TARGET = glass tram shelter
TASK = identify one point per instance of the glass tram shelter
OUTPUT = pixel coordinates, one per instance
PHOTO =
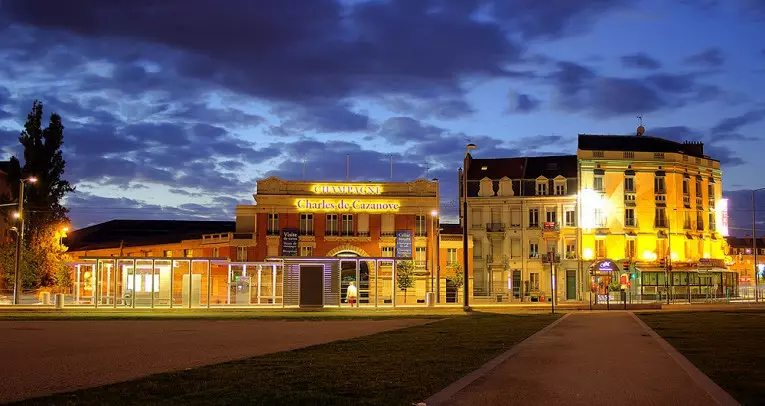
(163, 282)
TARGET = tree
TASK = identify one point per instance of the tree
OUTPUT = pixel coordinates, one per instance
(457, 279)
(405, 276)
(44, 214)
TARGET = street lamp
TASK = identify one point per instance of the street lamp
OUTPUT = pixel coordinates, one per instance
(754, 242)
(20, 231)
(434, 247)
(466, 166)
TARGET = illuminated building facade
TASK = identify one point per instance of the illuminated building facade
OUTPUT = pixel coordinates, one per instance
(298, 238)
(655, 204)
(522, 219)
(740, 259)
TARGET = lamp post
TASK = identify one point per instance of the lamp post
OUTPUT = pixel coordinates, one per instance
(20, 237)
(754, 242)
(434, 248)
(466, 166)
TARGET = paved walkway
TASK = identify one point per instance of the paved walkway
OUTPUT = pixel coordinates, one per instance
(587, 359)
(45, 357)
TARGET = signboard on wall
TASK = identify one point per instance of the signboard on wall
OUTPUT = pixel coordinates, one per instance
(403, 243)
(290, 242)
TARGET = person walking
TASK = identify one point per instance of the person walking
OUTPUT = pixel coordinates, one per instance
(352, 293)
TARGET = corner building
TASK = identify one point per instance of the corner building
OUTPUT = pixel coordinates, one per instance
(652, 211)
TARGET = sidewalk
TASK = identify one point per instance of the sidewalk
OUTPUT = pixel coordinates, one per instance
(587, 359)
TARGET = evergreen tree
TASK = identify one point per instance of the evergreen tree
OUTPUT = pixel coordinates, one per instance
(43, 213)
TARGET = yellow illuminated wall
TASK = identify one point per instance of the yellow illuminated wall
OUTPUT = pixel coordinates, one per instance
(648, 243)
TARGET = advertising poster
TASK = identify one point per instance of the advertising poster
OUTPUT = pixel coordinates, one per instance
(290, 242)
(403, 243)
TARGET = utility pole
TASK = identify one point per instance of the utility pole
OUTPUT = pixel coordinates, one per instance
(551, 258)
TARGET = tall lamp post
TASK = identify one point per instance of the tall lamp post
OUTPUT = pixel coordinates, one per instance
(19, 239)
(434, 249)
(754, 242)
(466, 166)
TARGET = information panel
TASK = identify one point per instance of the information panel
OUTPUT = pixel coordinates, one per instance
(403, 243)
(290, 242)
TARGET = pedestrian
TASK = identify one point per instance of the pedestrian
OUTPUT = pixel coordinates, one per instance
(351, 294)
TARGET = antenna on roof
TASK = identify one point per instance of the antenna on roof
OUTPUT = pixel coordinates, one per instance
(427, 168)
(303, 168)
(347, 167)
(640, 129)
(391, 168)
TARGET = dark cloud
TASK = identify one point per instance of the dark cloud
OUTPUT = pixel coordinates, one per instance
(708, 58)
(580, 88)
(721, 152)
(443, 109)
(731, 124)
(523, 103)
(326, 117)
(640, 60)
(406, 129)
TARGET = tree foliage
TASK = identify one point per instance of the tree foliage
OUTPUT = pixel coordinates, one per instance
(42, 255)
(458, 278)
(405, 276)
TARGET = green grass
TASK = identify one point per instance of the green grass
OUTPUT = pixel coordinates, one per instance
(391, 368)
(727, 346)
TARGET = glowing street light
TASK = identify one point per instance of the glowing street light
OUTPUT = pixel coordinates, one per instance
(20, 231)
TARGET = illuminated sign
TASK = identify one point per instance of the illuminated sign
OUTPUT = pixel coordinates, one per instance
(721, 216)
(353, 205)
(346, 189)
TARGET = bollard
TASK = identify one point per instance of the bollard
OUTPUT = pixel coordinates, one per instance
(45, 298)
(59, 298)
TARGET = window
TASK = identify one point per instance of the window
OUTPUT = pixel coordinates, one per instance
(388, 224)
(273, 223)
(362, 225)
(420, 225)
(629, 184)
(533, 217)
(306, 251)
(661, 248)
(629, 154)
(629, 217)
(600, 218)
(551, 216)
(241, 254)
(597, 183)
(533, 250)
(515, 248)
(571, 249)
(451, 256)
(660, 217)
(687, 221)
(541, 188)
(560, 188)
(306, 224)
(347, 224)
(686, 188)
(598, 154)
(167, 253)
(570, 218)
(698, 187)
(699, 220)
(419, 257)
(332, 226)
(188, 253)
(600, 249)
(515, 218)
(712, 223)
(534, 281)
(659, 186)
(711, 191)
(629, 248)
(658, 155)
(216, 252)
(387, 252)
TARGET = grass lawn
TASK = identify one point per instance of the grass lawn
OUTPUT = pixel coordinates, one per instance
(727, 346)
(391, 368)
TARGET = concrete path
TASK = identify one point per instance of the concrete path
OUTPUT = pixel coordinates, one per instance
(588, 359)
(45, 357)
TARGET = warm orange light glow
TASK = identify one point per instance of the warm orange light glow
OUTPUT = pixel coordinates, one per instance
(65, 229)
(32, 179)
(16, 214)
(434, 213)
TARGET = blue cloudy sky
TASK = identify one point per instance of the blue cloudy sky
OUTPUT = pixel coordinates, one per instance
(174, 108)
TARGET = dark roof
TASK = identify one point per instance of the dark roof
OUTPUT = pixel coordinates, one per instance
(738, 242)
(142, 232)
(523, 167)
(451, 229)
(639, 143)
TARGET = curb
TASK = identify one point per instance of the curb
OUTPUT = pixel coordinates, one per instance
(445, 394)
(718, 394)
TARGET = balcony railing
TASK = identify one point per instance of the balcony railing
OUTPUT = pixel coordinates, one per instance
(244, 236)
(551, 226)
(495, 227)
(216, 238)
(555, 259)
(420, 264)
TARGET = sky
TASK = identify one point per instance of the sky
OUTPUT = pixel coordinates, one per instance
(174, 109)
